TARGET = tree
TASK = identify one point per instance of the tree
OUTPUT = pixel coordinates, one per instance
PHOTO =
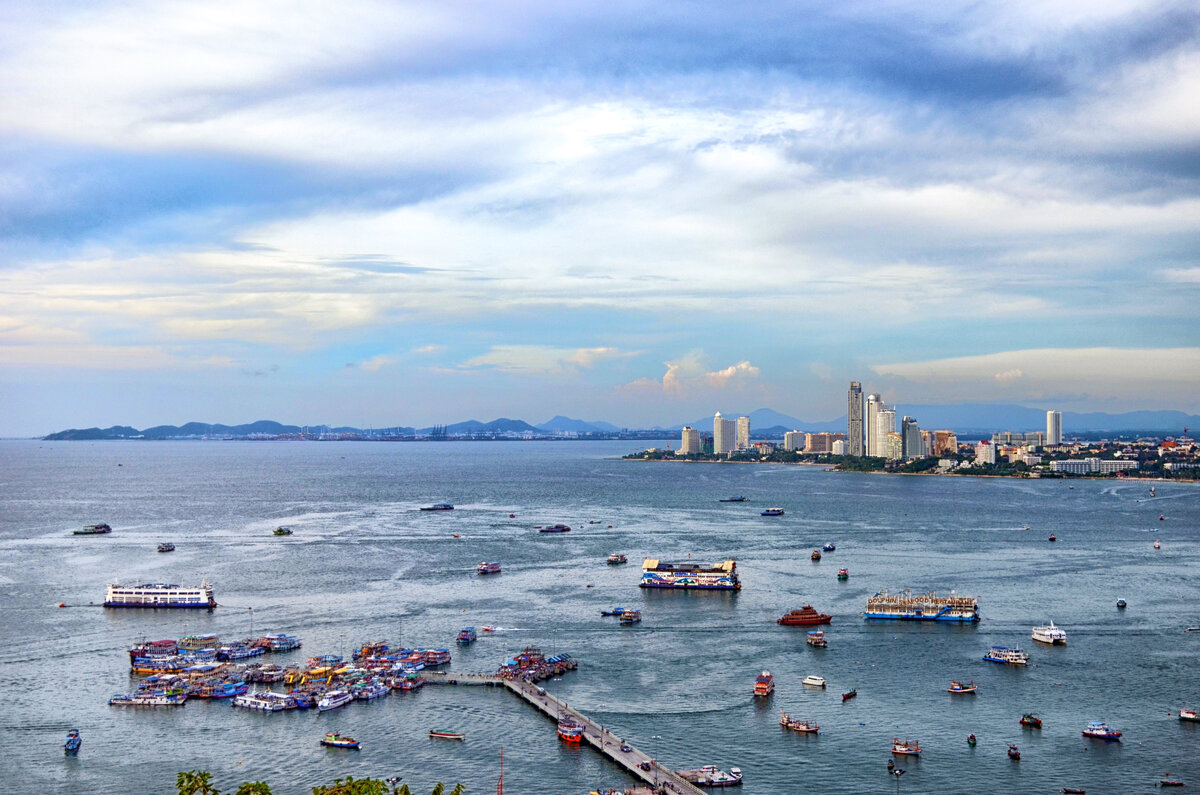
(253, 788)
(195, 782)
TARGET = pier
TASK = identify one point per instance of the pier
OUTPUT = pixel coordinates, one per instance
(594, 734)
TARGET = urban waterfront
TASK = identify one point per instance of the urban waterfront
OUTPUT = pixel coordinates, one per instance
(365, 564)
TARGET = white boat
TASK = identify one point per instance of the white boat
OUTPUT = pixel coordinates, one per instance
(1006, 656)
(1051, 634)
(812, 680)
(159, 594)
(259, 701)
(334, 699)
(373, 690)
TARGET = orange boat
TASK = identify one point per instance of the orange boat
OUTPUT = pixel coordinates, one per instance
(570, 731)
(805, 616)
(905, 748)
(764, 684)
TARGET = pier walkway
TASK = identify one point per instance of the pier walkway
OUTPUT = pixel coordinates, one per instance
(596, 735)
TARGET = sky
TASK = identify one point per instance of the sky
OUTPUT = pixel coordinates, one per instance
(408, 213)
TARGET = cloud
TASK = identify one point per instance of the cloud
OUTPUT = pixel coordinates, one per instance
(428, 350)
(1009, 375)
(377, 363)
(542, 359)
(686, 375)
(723, 378)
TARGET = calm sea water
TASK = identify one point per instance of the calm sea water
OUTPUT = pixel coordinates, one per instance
(365, 564)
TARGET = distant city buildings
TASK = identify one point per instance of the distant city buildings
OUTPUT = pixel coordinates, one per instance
(1087, 466)
(1053, 427)
(944, 442)
(854, 423)
(690, 443)
(985, 453)
(822, 442)
(839, 447)
(910, 434)
(1030, 439)
(794, 440)
(743, 433)
(893, 446)
(724, 435)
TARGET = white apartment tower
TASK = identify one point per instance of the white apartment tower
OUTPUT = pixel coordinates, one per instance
(1053, 427)
(885, 423)
(854, 420)
(724, 435)
(870, 422)
(794, 440)
(690, 444)
(743, 433)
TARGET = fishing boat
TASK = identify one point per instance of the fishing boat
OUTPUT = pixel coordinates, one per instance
(816, 555)
(569, 731)
(439, 506)
(1053, 537)
(555, 528)
(617, 558)
(816, 638)
(166, 546)
(631, 616)
(1031, 721)
(971, 740)
(958, 687)
(772, 512)
(93, 530)
(282, 531)
(438, 734)
(466, 635)
(334, 699)
(805, 616)
(73, 741)
(764, 684)
(1006, 656)
(739, 498)
(1188, 714)
(829, 547)
(1099, 730)
(335, 740)
(850, 695)
(905, 747)
(1013, 753)
(1157, 545)
(1121, 604)
(801, 726)
(1073, 791)
(1167, 781)
(1055, 636)
(612, 611)
(843, 574)
(488, 567)
(812, 680)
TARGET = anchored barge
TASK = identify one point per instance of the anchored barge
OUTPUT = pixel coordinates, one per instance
(159, 594)
(906, 606)
(720, 576)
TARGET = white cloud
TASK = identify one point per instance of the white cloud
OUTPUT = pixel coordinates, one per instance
(687, 376)
(377, 363)
(1009, 375)
(542, 359)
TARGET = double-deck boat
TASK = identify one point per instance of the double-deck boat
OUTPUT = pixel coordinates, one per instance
(1051, 634)
(335, 740)
(1006, 656)
(439, 506)
(466, 635)
(905, 747)
(93, 530)
(805, 616)
(281, 642)
(159, 594)
(816, 638)
(631, 616)
(166, 546)
(1031, 721)
(555, 528)
(438, 734)
(435, 657)
(617, 558)
(773, 512)
(764, 684)
(812, 680)
(720, 576)
(802, 726)
(334, 699)
(73, 741)
(907, 606)
(1099, 730)
(1188, 714)
(570, 731)
(488, 567)
(410, 681)
(959, 688)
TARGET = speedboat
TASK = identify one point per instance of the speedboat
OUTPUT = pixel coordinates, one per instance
(711, 776)
(812, 680)
(488, 567)
(739, 498)
(1099, 730)
(282, 531)
(93, 530)
(829, 547)
(612, 611)
(905, 747)
(73, 741)
(1031, 721)
(166, 546)
(1051, 634)
(958, 687)
(335, 740)
(1053, 537)
(439, 506)
(437, 734)
(801, 726)
(772, 512)
(555, 528)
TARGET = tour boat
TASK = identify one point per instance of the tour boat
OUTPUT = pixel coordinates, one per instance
(1099, 730)
(816, 638)
(773, 512)
(148, 700)
(616, 558)
(335, 740)
(466, 635)
(816, 555)
(812, 680)
(958, 687)
(843, 574)
(440, 506)
(73, 741)
(829, 547)
(1013, 753)
(492, 567)
(631, 616)
(555, 528)
(764, 684)
(437, 734)
(160, 594)
(334, 699)
(1051, 634)
(266, 701)
(166, 546)
(905, 747)
(1188, 714)
(570, 731)
(850, 695)
(1031, 721)
(93, 530)
(806, 615)
(370, 691)
(801, 726)
(1006, 656)
(282, 531)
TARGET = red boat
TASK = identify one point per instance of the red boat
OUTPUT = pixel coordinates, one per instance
(1031, 720)
(570, 731)
(805, 616)
(850, 695)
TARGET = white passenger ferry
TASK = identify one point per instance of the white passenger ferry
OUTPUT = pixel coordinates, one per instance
(159, 594)
(1051, 634)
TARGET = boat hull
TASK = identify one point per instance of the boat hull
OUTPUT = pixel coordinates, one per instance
(954, 618)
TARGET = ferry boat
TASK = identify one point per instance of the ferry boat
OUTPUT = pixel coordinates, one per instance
(1006, 656)
(773, 512)
(631, 616)
(829, 547)
(802, 726)
(843, 574)
(805, 616)
(93, 530)
(1031, 721)
(438, 734)
(816, 638)
(1099, 730)
(905, 747)
(411, 681)
(492, 567)
(282, 531)
(906, 606)
(466, 635)
(570, 731)
(739, 498)
(1051, 634)
(434, 657)
(439, 506)
(370, 691)
(148, 700)
(159, 595)
(281, 642)
(612, 611)
(334, 699)
(259, 701)
(335, 740)
(73, 741)
(1188, 714)
(816, 555)
(812, 680)
(959, 688)
(720, 576)
(166, 546)
(555, 528)
(617, 558)
(764, 684)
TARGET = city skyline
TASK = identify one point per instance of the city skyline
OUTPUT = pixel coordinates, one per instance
(374, 211)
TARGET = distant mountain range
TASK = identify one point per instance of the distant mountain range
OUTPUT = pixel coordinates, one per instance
(972, 418)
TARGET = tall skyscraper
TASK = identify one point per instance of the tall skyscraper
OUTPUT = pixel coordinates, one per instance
(854, 420)
(870, 422)
(743, 433)
(690, 444)
(724, 435)
(914, 445)
(885, 423)
(1053, 427)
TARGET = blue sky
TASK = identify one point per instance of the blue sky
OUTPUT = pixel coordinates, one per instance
(390, 212)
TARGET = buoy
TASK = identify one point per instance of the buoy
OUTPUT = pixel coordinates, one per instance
(62, 604)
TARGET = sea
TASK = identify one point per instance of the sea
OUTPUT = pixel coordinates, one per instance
(365, 564)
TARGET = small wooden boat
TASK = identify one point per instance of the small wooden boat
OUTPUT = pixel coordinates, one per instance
(1073, 791)
(73, 741)
(816, 555)
(959, 688)
(801, 726)
(1169, 782)
(850, 695)
(1031, 721)
(438, 734)
(282, 531)
(1013, 753)
(335, 740)
(905, 747)
(1052, 537)
(843, 574)
(971, 740)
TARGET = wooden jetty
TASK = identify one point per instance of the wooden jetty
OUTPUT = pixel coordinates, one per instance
(594, 734)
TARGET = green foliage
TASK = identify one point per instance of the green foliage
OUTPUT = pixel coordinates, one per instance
(253, 788)
(199, 782)
(195, 782)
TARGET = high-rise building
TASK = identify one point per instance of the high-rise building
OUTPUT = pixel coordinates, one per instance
(724, 435)
(885, 423)
(914, 447)
(794, 440)
(870, 423)
(822, 442)
(839, 447)
(893, 446)
(985, 453)
(927, 441)
(944, 442)
(1053, 427)
(690, 444)
(743, 433)
(854, 420)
